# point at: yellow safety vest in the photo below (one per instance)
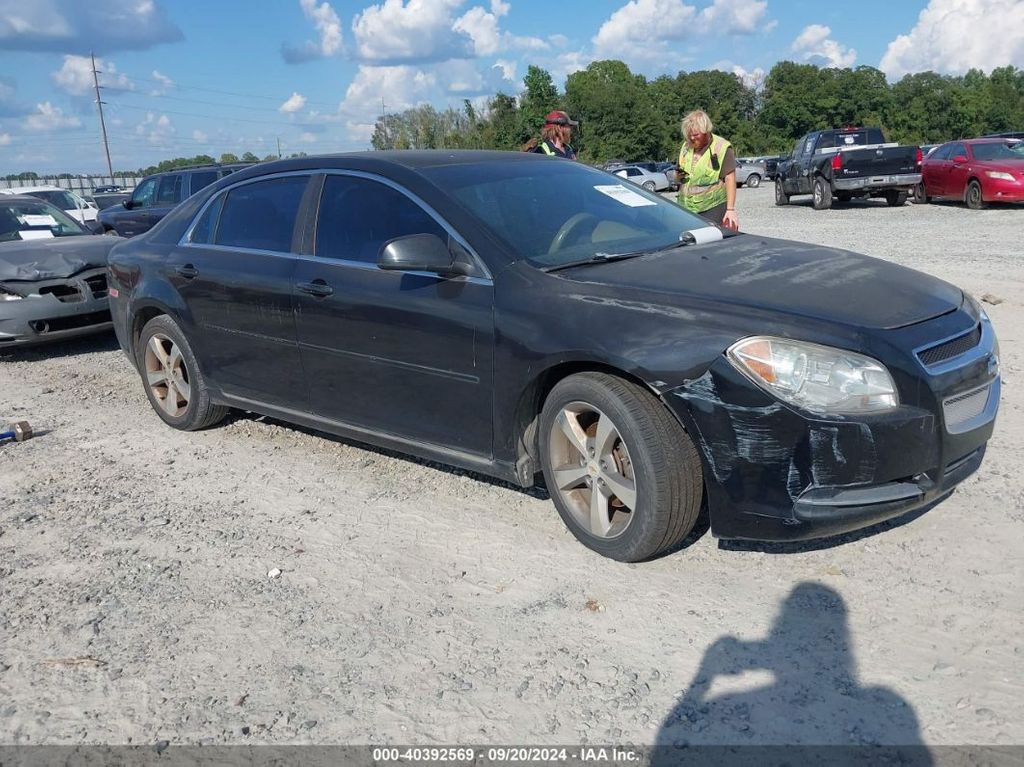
(703, 189)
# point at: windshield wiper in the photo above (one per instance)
(597, 258)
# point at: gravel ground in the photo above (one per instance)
(420, 604)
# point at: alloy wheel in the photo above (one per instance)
(167, 376)
(592, 470)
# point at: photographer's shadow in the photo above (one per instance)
(815, 698)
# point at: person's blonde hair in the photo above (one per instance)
(697, 120)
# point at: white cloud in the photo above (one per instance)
(418, 31)
(165, 84)
(199, 136)
(75, 76)
(815, 46)
(307, 138)
(107, 25)
(734, 17)
(329, 40)
(482, 28)
(952, 36)
(294, 103)
(5, 139)
(156, 130)
(753, 78)
(640, 22)
(48, 118)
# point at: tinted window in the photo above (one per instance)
(34, 220)
(998, 151)
(63, 200)
(143, 195)
(202, 178)
(358, 216)
(261, 215)
(942, 153)
(170, 190)
(204, 228)
(958, 150)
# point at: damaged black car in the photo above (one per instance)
(53, 276)
(539, 320)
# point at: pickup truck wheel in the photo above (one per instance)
(753, 180)
(623, 474)
(974, 198)
(174, 384)
(781, 198)
(895, 199)
(821, 194)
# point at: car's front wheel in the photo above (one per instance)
(975, 199)
(649, 186)
(112, 232)
(174, 384)
(753, 180)
(624, 476)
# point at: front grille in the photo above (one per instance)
(952, 348)
(963, 408)
(69, 323)
(98, 285)
(66, 294)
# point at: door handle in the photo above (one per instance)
(187, 271)
(317, 288)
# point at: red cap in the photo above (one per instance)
(558, 118)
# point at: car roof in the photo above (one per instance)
(30, 189)
(24, 198)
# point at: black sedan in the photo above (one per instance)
(53, 275)
(518, 315)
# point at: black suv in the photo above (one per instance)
(157, 195)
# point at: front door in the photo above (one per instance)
(403, 354)
(235, 276)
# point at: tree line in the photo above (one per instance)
(626, 116)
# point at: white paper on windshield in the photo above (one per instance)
(623, 195)
(30, 220)
(36, 234)
(706, 234)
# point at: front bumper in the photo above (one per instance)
(775, 473)
(1001, 190)
(55, 310)
(869, 183)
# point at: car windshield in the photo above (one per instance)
(1018, 148)
(34, 221)
(556, 212)
(60, 198)
(995, 151)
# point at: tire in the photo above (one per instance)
(646, 455)
(649, 186)
(920, 195)
(753, 181)
(821, 194)
(974, 198)
(895, 199)
(112, 232)
(781, 198)
(171, 377)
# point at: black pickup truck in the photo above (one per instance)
(844, 163)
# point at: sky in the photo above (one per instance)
(184, 77)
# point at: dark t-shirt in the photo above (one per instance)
(566, 152)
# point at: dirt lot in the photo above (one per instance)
(418, 604)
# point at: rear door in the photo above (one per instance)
(934, 171)
(407, 354)
(234, 272)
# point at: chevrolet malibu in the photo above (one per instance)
(524, 317)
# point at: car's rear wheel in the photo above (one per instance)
(649, 186)
(174, 384)
(112, 232)
(624, 476)
(753, 180)
(974, 198)
(821, 194)
(895, 199)
(781, 198)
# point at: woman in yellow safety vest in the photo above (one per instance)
(707, 171)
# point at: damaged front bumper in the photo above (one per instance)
(55, 309)
(775, 473)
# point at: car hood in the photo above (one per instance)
(780, 276)
(53, 258)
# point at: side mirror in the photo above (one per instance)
(127, 204)
(960, 159)
(420, 253)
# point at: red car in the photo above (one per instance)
(976, 171)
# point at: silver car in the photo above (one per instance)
(749, 173)
(650, 180)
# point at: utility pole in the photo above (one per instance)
(103, 125)
(278, 147)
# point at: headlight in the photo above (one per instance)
(816, 378)
(6, 294)
(999, 174)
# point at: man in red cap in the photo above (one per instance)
(555, 135)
